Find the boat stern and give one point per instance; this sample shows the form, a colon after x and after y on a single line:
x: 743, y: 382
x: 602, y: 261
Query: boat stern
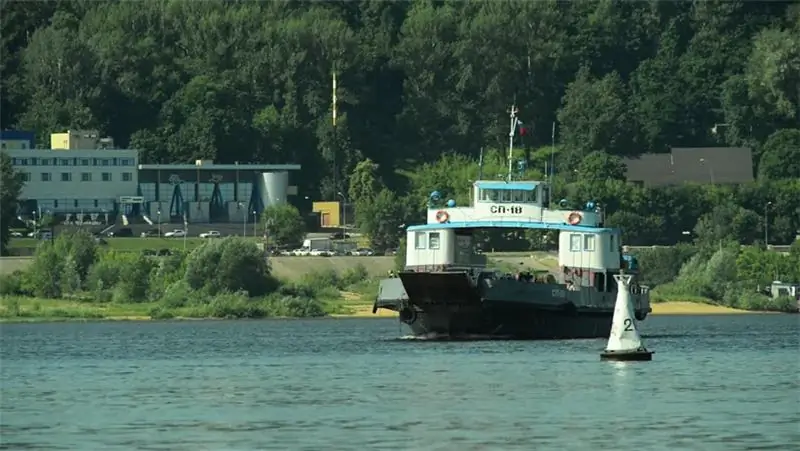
x: 391, y: 295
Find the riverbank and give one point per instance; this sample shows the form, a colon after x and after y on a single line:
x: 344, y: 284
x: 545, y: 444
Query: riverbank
x: 694, y: 308
x: 57, y: 310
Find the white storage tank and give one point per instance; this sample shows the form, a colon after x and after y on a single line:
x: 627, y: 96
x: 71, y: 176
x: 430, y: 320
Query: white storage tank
x: 273, y: 187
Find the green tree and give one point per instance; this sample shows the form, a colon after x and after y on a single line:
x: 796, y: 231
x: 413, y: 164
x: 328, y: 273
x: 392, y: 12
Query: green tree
x: 46, y: 271
x: 283, y: 224
x: 780, y: 156
x: 11, y: 183
x: 380, y: 219
x: 229, y: 265
x: 773, y: 71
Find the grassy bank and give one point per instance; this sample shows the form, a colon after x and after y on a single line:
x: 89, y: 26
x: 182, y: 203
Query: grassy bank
x: 351, y: 304
x: 292, y: 268
x: 289, y: 268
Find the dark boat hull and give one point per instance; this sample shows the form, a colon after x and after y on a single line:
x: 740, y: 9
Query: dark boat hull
x: 517, y: 322
x: 447, y: 304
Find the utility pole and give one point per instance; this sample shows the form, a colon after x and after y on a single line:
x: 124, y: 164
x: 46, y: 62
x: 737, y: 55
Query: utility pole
x: 766, y: 224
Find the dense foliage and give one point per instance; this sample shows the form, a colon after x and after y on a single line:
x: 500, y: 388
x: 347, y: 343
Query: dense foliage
x: 221, y: 278
x: 731, y: 275
x: 422, y: 87
x: 10, y: 187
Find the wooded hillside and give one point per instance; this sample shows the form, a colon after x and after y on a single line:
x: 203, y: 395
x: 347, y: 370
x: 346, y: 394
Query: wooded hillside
x: 251, y: 81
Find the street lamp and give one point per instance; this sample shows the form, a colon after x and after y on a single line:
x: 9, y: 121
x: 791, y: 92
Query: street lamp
x: 244, y: 219
x: 766, y: 225
x: 255, y: 222
x: 158, y: 216
x: 344, y: 214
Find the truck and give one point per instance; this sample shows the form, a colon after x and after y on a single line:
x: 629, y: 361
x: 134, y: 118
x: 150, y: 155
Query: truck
x: 317, y: 244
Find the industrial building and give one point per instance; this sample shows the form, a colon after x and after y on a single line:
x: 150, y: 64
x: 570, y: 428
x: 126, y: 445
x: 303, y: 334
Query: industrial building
x: 16, y: 139
x: 82, y: 178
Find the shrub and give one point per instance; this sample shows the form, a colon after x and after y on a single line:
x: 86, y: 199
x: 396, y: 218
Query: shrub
x: 14, y: 284
x: 229, y: 265
x: 45, y: 273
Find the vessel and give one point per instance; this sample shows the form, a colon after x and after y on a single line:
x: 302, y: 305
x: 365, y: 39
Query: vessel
x: 447, y: 289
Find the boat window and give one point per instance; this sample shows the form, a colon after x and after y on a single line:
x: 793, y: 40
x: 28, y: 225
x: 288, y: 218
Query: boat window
x: 519, y: 195
x: 530, y: 196
x: 588, y: 242
x: 505, y: 196
x: 419, y: 240
x: 483, y: 195
x: 600, y: 282
x: 575, y: 242
x: 433, y: 240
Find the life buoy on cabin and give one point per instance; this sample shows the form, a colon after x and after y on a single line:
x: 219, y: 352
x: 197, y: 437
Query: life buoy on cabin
x: 442, y: 216
x: 574, y: 218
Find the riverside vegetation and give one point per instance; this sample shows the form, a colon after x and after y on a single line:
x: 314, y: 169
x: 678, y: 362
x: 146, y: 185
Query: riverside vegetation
x: 71, y: 278
x: 729, y: 275
x: 227, y: 278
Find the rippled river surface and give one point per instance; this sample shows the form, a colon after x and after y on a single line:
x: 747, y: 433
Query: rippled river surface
x: 716, y: 383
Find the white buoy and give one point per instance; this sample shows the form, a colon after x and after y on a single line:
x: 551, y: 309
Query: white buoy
x: 624, y: 343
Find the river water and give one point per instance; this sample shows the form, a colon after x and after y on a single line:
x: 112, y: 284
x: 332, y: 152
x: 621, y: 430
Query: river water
x: 716, y: 383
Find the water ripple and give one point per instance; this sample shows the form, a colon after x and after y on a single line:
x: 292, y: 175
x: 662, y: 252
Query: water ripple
x: 717, y: 383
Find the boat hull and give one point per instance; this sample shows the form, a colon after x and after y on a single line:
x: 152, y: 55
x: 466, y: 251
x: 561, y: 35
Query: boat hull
x: 515, y: 322
x: 448, y: 304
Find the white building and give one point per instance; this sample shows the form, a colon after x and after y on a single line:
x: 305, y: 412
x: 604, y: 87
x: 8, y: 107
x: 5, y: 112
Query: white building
x: 76, y: 181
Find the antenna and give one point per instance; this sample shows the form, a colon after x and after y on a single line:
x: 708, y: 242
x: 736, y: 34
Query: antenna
x: 552, y: 161
x: 514, y: 121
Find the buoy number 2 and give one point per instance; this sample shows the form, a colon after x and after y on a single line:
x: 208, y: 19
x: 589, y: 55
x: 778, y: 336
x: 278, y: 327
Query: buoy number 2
x: 628, y: 325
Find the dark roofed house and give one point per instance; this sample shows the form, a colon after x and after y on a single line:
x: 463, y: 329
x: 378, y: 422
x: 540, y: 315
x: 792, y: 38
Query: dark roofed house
x: 650, y: 169
x: 692, y: 165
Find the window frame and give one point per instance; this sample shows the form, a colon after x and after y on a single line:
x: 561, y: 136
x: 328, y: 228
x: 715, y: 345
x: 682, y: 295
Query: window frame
x: 575, y: 242
x: 420, y: 239
x: 438, y: 243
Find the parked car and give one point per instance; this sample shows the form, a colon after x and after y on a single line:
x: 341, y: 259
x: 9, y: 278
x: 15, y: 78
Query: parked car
x: 362, y: 251
x: 149, y: 233
x: 16, y: 234
x: 124, y: 232
x: 302, y: 252
x: 177, y: 233
x: 339, y: 236
x: 210, y: 234
x: 321, y: 253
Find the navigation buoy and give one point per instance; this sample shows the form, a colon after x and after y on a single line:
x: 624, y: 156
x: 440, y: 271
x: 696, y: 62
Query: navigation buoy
x: 625, y: 343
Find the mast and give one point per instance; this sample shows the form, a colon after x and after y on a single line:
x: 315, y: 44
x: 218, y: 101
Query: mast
x: 514, y: 122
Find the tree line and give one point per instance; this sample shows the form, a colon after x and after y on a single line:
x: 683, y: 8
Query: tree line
x: 423, y: 85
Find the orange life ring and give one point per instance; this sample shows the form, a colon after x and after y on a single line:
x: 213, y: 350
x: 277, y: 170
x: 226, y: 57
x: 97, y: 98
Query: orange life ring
x: 574, y: 218
x: 442, y: 216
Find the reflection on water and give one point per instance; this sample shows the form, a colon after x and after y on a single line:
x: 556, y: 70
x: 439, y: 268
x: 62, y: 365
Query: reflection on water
x: 716, y: 383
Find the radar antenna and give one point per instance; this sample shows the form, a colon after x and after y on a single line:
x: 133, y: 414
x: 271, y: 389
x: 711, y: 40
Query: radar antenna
x: 511, y: 132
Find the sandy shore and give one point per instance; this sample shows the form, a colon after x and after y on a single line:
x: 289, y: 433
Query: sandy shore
x: 663, y: 308
x: 693, y: 308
